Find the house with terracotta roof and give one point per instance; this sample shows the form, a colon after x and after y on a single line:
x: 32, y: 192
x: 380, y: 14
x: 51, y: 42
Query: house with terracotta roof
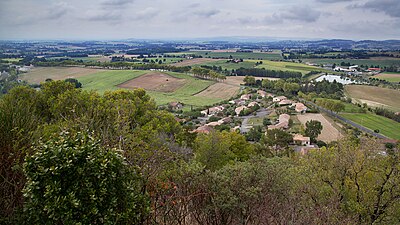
x: 245, y: 97
x: 300, y: 107
x: 251, y: 104
x: 203, y: 129
x: 285, y: 102
x: 301, y: 140
x: 279, y: 98
x: 283, y: 122
x: 239, y: 109
x: 213, y: 110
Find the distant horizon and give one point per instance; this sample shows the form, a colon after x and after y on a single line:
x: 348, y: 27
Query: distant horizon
x: 208, y: 38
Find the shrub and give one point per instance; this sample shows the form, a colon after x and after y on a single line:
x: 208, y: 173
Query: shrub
x: 71, y: 179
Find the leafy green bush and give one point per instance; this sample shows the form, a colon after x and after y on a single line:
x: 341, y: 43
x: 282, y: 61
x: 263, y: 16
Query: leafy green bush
x: 71, y: 179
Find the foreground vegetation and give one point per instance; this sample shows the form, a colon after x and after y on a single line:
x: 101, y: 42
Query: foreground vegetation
x: 72, y: 156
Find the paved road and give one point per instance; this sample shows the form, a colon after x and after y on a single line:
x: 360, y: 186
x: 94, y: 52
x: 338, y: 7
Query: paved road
x: 333, y: 114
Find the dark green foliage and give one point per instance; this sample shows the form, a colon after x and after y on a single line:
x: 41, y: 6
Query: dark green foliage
x: 267, y: 73
x: 74, y: 82
x: 313, y: 129
x: 71, y: 179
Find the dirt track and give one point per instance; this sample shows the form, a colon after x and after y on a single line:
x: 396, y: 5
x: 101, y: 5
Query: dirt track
x: 329, y: 132
x: 155, y: 81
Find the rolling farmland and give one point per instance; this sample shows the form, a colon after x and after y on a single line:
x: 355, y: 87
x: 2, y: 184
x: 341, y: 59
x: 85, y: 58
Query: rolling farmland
x: 40, y: 74
x: 374, y: 96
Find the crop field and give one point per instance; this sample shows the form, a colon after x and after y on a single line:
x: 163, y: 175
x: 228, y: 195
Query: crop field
x: 329, y: 132
x: 155, y: 84
x: 195, y: 61
x: 155, y: 81
x: 377, y: 61
x: 288, y: 66
x: 386, y: 126
x: 242, y: 55
x: 108, y: 80
x: 40, y: 74
x: 12, y: 60
x: 391, y: 77
x: 220, y: 91
x: 374, y: 96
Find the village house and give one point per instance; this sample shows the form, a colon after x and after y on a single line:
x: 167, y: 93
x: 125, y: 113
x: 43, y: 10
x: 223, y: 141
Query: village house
x: 225, y: 120
x: 283, y: 122
x: 239, y: 109
x: 245, y: 97
x: 238, y: 102
x: 279, y: 98
x: 285, y: 102
x: 300, y: 107
x: 213, y: 124
x: 299, y: 139
x: 213, y: 110
x: 175, y: 105
x: 251, y: 104
x: 262, y: 93
x: 203, y: 130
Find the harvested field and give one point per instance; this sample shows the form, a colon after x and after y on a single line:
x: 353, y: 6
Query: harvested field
x: 155, y: 81
x: 375, y: 96
x: 195, y: 61
x: 40, y: 74
x: 220, y: 90
x: 329, y: 132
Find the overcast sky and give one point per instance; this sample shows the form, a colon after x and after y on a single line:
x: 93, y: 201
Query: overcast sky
x: 120, y: 19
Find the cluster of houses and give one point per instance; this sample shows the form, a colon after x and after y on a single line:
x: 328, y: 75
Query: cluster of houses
x: 300, y: 143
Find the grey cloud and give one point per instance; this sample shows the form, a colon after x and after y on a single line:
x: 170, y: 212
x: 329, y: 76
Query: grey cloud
x: 57, y: 11
x: 145, y: 14
x: 335, y: 1
x: 207, y: 13
x: 116, y: 2
x: 389, y: 7
x: 303, y: 13
x: 102, y: 15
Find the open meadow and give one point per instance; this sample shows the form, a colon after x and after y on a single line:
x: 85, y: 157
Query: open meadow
x: 387, y: 127
x: 374, y: 96
x: 389, y: 76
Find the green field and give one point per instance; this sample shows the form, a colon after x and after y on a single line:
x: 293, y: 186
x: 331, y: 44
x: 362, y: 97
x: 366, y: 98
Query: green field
x: 382, y: 62
x: 12, y: 60
x: 388, y: 76
x: 288, y: 66
x: 108, y: 80
x: 386, y: 126
x: 243, y: 55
